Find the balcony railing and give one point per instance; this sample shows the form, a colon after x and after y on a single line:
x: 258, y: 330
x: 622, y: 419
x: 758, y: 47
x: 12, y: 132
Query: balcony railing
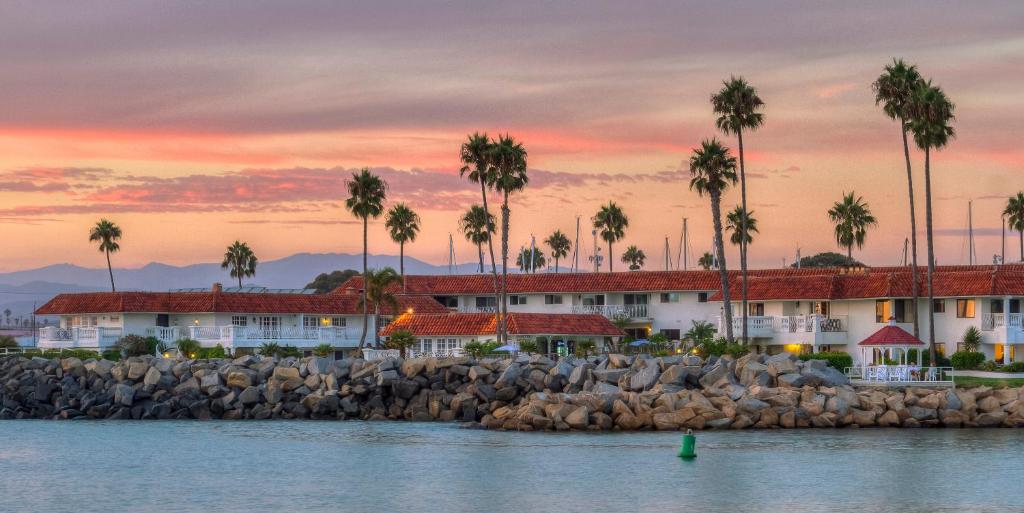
x: 231, y: 334
x: 164, y: 333
x: 813, y: 323
x: 78, y: 336
x: 992, y: 321
x: 478, y: 309
x: 613, y: 311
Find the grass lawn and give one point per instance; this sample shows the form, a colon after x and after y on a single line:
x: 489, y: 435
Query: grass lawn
x: 970, y: 381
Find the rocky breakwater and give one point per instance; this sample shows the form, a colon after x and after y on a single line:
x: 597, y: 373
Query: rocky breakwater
x: 614, y: 392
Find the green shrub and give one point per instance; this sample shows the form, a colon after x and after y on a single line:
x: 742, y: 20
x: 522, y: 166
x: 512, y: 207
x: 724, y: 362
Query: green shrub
x: 188, y: 348
x: 210, y: 353
x: 940, y: 361
x: 721, y: 346
x: 8, y: 342
x: 269, y: 349
x: 965, y: 360
x: 989, y: 366
x: 972, y: 339
x: 585, y: 347
x: 1013, y: 367
x: 835, y: 359
x: 289, y: 352
x: 401, y: 340
x: 323, y: 350
x: 530, y: 346
x: 112, y: 355
x: 479, y: 349
x: 135, y: 345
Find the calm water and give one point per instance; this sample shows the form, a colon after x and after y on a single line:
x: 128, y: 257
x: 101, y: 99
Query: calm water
x: 369, y: 467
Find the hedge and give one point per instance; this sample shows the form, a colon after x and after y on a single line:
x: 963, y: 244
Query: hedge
x: 964, y: 360
x: 835, y: 359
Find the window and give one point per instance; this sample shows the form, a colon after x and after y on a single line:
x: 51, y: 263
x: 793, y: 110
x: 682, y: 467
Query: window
x: 820, y: 308
x: 672, y: 334
x: 239, y: 320
x: 269, y: 322
x: 939, y: 306
x: 999, y: 353
x: 517, y: 300
x: 426, y: 345
x: 485, y: 302
x: 338, y: 322
x: 903, y: 310
x: 593, y: 300
x: 755, y: 309
x: 451, y: 345
x: 996, y: 306
x: 702, y: 297
x: 448, y: 301
x: 636, y: 333
x: 552, y: 299
x: 115, y: 318
x: 883, y: 310
x: 634, y: 299
x: 1015, y: 306
x: 669, y: 297
x: 964, y: 308
x: 383, y: 320
x: 311, y: 322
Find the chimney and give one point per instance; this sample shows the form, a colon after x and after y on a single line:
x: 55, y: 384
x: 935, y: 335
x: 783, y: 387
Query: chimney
x: 217, y: 288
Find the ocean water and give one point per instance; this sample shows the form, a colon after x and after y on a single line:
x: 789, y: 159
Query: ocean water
x: 311, y: 466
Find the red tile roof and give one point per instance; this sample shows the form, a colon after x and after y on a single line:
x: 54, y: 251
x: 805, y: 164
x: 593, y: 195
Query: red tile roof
x: 891, y: 336
x: 474, y: 324
x: 226, y: 302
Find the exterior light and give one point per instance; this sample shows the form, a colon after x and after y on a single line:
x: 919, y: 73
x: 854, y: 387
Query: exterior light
x: 409, y: 311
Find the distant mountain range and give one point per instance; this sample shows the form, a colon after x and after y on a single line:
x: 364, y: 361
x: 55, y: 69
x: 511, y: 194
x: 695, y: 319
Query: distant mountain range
x: 20, y: 289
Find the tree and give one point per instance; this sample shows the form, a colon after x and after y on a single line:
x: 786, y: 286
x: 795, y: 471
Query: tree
x: 931, y: 115
x: 478, y: 227
x: 477, y: 155
x: 852, y: 218
x: 737, y: 105
x: 378, y: 289
x: 8, y: 342
x: 367, y: 193
x: 559, y: 245
x: 740, y: 222
x: 107, y: 234
x: 972, y: 339
x: 241, y: 260
x: 401, y: 340
x: 510, y: 176
x: 894, y: 90
x: 700, y: 332
x: 324, y: 282
x: 634, y: 257
x: 7, y: 316
x: 403, y: 224
x: 827, y: 259
x: 612, y: 222
x: 323, y: 350
x: 706, y: 261
x: 1014, y: 213
x: 712, y: 171
x: 523, y: 260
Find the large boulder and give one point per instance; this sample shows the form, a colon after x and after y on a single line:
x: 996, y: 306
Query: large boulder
x: 508, y: 376
x: 241, y: 378
x: 678, y: 374
x: 152, y: 377
x: 578, y: 418
x: 124, y: 394
x: 609, y: 375
x: 137, y: 369
x: 645, y: 378
x: 714, y: 374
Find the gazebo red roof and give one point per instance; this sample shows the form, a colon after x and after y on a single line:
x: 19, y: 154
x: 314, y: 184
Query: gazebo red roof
x: 891, y: 336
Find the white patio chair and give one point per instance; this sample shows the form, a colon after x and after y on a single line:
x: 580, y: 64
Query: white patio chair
x: 932, y: 374
x: 882, y: 373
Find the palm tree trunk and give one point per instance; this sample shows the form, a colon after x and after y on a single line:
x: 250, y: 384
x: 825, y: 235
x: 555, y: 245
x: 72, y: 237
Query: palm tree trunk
x: 366, y: 314
x: 716, y: 214
x: 494, y: 266
x: 743, y: 242
x: 914, y: 290
x: 505, y: 214
x: 401, y: 267
x: 849, y: 252
x: 111, y: 271
x: 610, y: 259
x: 376, y: 318
x: 480, y: 253
x: 556, y: 265
x: 931, y: 254
x: 1021, y: 245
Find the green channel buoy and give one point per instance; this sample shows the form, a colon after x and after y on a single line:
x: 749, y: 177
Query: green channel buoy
x: 689, y: 447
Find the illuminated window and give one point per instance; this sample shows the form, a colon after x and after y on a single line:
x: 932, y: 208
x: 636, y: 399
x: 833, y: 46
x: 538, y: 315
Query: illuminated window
x: 883, y: 310
x: 1000, y: 352
x: 965, y: 308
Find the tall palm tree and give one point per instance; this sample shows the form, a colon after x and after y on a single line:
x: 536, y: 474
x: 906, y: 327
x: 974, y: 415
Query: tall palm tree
x: 612, y: 222
x: 559, y: 245
x: 510, y: 176
x: 737, y: 105
x: 931, y: 115
x: 241, y: 260
x: 367, y: 193
x: 403, y: 224
x: 379, y: 289
x: 1014, y: 213
x: 894, y: 89
x: 734, y: 222
x: 107, y: 234
x: 530, y: 260
x: 706, y: 261
x: 478, y: 226
x: 712, y: 171
x: 477, y: 156
x: 852, y: 218
x: 634, y: 257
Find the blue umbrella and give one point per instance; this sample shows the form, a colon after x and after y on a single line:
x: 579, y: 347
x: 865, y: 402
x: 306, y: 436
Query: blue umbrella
x: 508, y: 347
x: 638, y: 343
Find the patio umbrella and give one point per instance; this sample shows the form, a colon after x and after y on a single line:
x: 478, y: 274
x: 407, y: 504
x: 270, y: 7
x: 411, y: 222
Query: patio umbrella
x: 638, y: 343
x: 507, y: 348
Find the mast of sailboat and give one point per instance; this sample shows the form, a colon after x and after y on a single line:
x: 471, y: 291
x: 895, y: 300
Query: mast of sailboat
x: 668, y: 256
x: 1002, y: 256
x: 533, y: 253
x: 970, y: 233
x: 683, y: 258
x: 905, y: 242
x: 451, y: 254
x: 576, y: 248
x: 798, y: 257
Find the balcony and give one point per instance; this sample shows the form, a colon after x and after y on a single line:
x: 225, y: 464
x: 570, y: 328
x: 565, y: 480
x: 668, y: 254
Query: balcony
x: 613, y: 311
x: 825, y: 329
x: 79, y: 336
x: 252, y: 336
x: 1007, y: 328
x: 478, y: 309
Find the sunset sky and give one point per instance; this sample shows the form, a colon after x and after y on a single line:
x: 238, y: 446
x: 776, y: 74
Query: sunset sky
x: 192, y: 124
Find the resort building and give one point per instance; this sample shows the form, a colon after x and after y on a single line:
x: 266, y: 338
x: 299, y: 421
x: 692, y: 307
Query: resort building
x: 445, y: 334
x: 237, y: 319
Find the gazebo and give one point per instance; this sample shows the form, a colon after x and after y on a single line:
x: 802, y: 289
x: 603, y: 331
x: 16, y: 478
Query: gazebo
x: 890, y: 342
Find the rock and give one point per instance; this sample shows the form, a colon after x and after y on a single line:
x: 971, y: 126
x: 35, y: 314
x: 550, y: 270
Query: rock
x: 137, y: 369
x: 989, y: 404
x: 677, y: 374
x: 579, y: 418
x: 609, y: 375
x: 990, y: 419
x: 124, y: 394
x: 712, y: 376
x: 241, y: 378
x: 508, y: 376
x: 605, y: 388
x: 889, y: 418
x: 478, y: 372
x: 282, y: 373
x: 751, y: 404
x: 187, y: 386
x: 920, y: 414
x: 249, y: 396
x: 413, y: 367
x: 579, y: 374
x: 863, y: 418
x: 792, y: 380
x: 619, y: 361
x: 152, y: 376
x: 209, y: 382
x: 645, y: 378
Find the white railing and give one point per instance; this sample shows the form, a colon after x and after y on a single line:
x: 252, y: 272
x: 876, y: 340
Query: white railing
x: 256, y: 333
x: 813, y: 323
x: 164, y: 333
x: 899, y: 374
x: 612, y: 311
x: 478, y: 309
x: 992, y: 321
x: 79, y: 336
x: 371, y: 355
x: 53, y: 333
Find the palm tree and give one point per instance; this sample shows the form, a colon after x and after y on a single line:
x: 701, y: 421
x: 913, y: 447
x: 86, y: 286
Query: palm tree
x: 734, y: 222
x: 700, y: 332
x: 559, y: 245
x: 612, y: 222
x: 7, y: 316
x: 378, y: 289
x: 107, y: 234
x: 713, y: 170
x: 1014, y: 213
x: 241, y: 260
x: 634, y: 257
x: 706, y: 261
x: 367, y: 193
x: 852, y: 218
x: 894, y: 89
x: 478, y: 226
x: 528, y: 264
x: 510, y: 176
x: 931, y: 114
x: 403, y: 224
x: 737, y: 105
x: 477, y: 155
